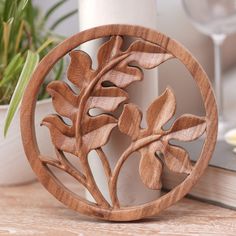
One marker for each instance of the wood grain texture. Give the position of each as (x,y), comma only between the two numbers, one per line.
(87,133)
(39,214)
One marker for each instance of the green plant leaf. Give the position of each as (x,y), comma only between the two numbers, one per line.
(6,36)
(12,69)
(9,9)
(19,35)
(61,19)
(20,31)
(31,62)
(52,9)
(45,44)
(23,4)
(30,12)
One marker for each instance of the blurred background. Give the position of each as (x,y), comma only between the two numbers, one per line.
(173,21)
(69,26)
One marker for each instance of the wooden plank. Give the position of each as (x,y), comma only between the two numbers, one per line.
(30,210)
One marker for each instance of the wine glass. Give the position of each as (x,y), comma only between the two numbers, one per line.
(216,18)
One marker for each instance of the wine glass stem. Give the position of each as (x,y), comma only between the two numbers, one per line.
(218,40)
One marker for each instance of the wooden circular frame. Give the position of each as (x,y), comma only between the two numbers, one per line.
(54,186)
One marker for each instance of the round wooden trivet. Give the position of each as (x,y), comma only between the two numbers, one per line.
(104,88)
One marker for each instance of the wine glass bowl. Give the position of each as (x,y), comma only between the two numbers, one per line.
(217,19)
(212,16)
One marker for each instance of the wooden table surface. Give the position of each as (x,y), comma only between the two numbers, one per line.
(31,210)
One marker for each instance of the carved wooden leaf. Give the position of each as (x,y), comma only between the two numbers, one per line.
(92,123)
(98,137)
(147,55)
(187,128)
(96,132)
(80,71)
(129,121)
(150,167)
(107,99)
(177,159)
(108,50)
(122,77)
(63,98)
(59,124)
(62,136)
(161,111)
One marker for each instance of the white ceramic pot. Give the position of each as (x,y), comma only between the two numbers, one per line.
(14,166)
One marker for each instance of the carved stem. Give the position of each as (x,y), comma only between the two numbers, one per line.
(91,184)
(105,163)
(84,160)
(64,165)
(87,93)
(132,148)
(71,171)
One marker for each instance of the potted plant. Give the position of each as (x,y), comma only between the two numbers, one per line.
(24,40)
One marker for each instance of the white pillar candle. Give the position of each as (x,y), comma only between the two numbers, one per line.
(142,12)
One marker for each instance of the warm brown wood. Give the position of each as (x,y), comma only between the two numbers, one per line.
(103,88)
(30,211)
